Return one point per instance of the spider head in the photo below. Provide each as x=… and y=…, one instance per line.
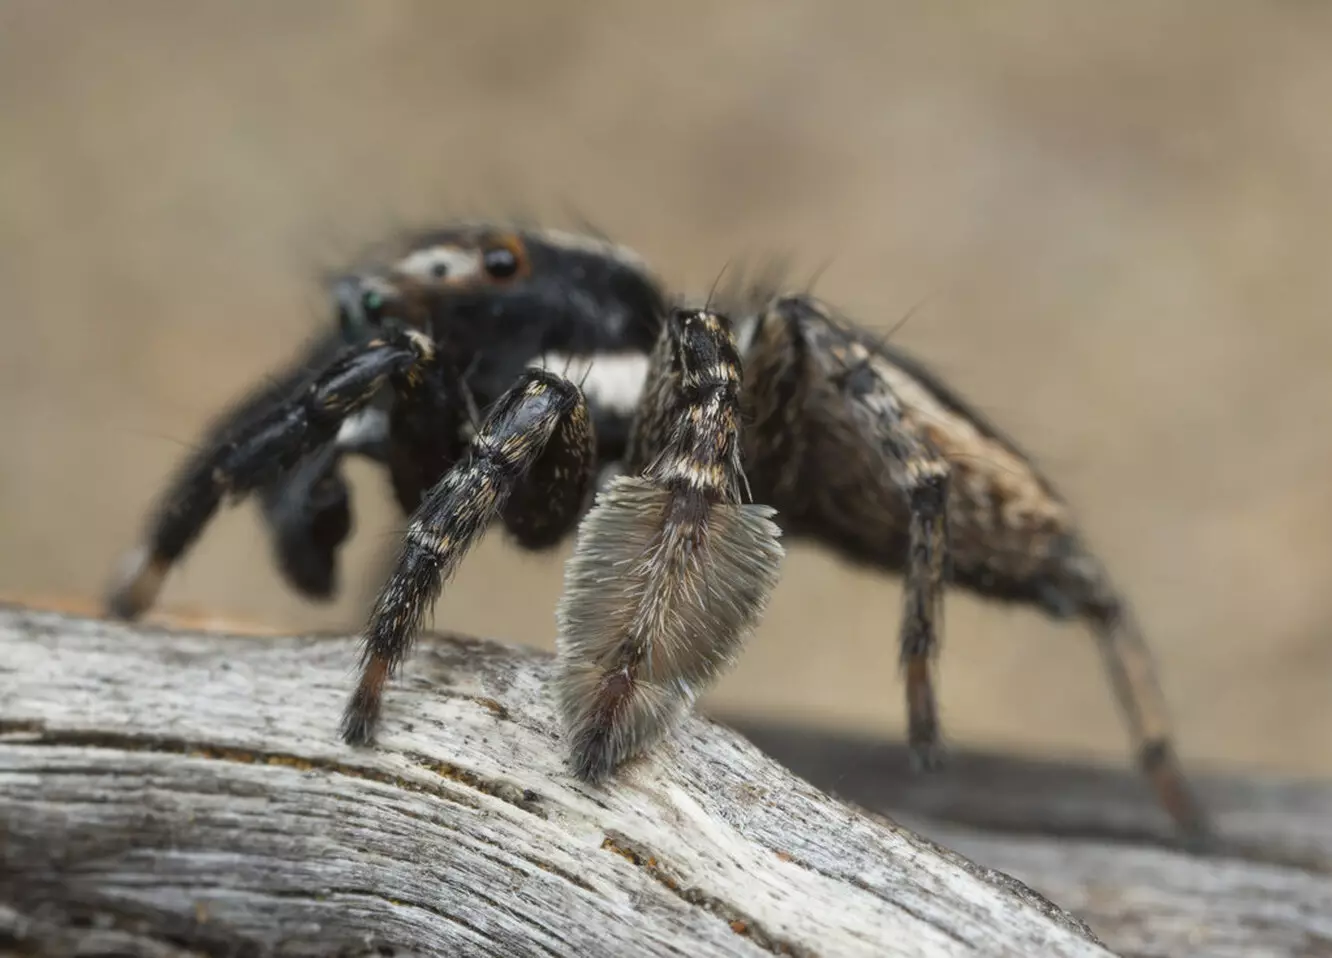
x=497, y=298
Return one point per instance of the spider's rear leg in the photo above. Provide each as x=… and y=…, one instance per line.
x=671, y=571
x=259, y=451
x=531, y=464
x=1084, y=590
x=828, y=445
x=921, y=476
x=1010, y=536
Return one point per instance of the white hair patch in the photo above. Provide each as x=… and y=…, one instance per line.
x=611, y=381
x=365, y=428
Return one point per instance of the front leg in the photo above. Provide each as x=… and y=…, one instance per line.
x=531, y=464
x=273, y=436
x=670, y=571
x=308, y=513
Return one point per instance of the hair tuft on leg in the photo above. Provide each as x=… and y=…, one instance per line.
x=661, y=592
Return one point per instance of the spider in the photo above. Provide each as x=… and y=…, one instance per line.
x=546, y=381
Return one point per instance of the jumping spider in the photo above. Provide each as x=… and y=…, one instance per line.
x=496, y=372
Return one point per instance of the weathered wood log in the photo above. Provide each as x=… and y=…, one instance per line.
x=1095, y=840
x=190, y=788
x=185, y=793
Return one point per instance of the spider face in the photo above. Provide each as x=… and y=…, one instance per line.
x=494, y=300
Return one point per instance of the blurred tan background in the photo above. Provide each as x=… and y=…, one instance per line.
x=1118, y=218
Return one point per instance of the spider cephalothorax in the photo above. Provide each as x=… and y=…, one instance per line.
x=498, y=373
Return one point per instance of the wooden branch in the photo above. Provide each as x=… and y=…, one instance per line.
x=1095, y=840
x=186, y=793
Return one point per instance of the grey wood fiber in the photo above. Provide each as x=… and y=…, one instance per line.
x=174, y=792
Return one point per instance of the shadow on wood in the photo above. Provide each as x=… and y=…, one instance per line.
x=1095, y=840
x=177, y=792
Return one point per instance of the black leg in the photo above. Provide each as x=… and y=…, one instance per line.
x=531, y=464
x=426, y=435
x=309, y=514
x=670, y=571
x=261, y=450
x=308, y=510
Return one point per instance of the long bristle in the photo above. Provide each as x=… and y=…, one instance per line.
x=657, y=604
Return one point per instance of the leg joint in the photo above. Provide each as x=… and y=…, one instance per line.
x=929, y=481
x=1153, y=754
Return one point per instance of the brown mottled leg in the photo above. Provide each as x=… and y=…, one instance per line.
x=926, y=489
x=671, y=570
x=874, y=414
x=839, y=420
x=531, y=464
x=816, y=378
x=1128, y=661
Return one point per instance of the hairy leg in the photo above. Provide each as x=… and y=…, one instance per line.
x=808, y=381
x=417, y=435
x=307, y=509
x=531, y=465
x=308, y=513
x=874, y=413
x=828, y=395
x=1084, y=590
x=671, y=570
x=259, y=450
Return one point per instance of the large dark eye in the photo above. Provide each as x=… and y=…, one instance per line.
x=500, y=262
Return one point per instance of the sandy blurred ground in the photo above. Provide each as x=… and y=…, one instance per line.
x=1117, y=217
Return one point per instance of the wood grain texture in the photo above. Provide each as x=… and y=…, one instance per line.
x=1095, y=840
x=186, y=793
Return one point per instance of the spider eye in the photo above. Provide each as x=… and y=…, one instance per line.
x=372, y=301
x=439, y=269
x=500, y=262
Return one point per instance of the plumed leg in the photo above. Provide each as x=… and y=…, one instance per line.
x=671, y=571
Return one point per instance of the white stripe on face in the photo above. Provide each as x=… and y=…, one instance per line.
x=611, y=381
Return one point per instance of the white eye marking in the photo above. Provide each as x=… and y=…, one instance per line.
x=611, y=381
x=440, y=263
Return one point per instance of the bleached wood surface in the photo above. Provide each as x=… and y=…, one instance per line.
x=186, y=793
x=197, y=781
x=1094, y=840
